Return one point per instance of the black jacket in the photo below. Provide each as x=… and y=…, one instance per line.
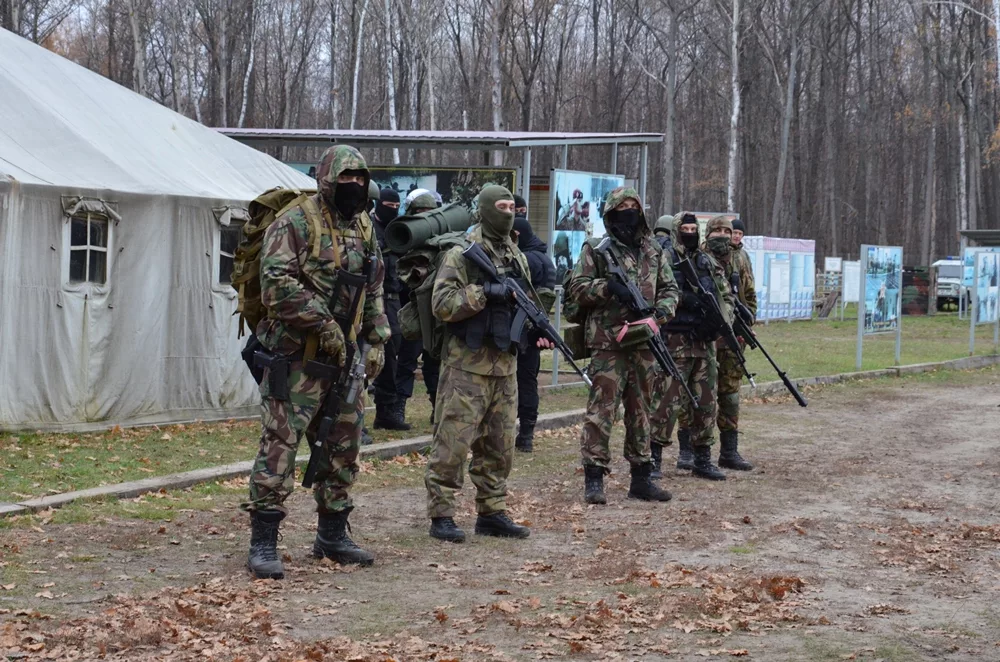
x=543, y=271
x=391, y=284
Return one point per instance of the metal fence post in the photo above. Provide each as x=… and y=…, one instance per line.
x=558, y=323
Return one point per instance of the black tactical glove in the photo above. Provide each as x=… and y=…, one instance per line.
x=496, y=292
x=691, y=301
x=618, y=290
x=745, y=315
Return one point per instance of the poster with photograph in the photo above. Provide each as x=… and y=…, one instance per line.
x=453, y=184
x=883, y=287
x=987, y=290
x=969, y=262
x=852, y=282
x=577, y=200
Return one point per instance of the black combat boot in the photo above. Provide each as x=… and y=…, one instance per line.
x=642, y=486
x=525, y=436
x=729, y=455
x=593, y=491
x=703, y=467
x=444, y=528
x=400, y=410
x=366, y=437
x=500, y=526
x=263, y=560
x=387, y=417
x=332, y=541
x=656, y=451
x=685, y=456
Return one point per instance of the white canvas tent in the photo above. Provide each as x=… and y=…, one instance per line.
x=115, y=213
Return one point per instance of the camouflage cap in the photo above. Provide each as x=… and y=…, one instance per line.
x=336, y=160
x=717, y=222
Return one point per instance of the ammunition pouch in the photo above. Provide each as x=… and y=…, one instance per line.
x=278, y=370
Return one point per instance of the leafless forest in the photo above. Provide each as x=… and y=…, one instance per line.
x=846, y=121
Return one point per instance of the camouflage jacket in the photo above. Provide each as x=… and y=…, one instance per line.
x=458, y=295
x=748, y=292
x=297, y=286
x=646, y=266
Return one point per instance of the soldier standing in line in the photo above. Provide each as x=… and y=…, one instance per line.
x=390, y=405
x=739, y=273
x=621, y=367
x=412, y=350
x=661, y=427
x=543, y=280
x=477, y=396
x=691, y=337
x=302, y=252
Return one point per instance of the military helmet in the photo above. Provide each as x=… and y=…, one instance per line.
x=373, y=190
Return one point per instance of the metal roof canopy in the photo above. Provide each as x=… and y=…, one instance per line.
x=467, y=140
x=982, y=237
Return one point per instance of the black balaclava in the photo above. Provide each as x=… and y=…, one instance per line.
x=351, y=197
x=624, y=224
x=523, y=229
x=387, y=214
x=689, y=240
x=519, y=203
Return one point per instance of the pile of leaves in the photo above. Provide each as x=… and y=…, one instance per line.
x=212, y=621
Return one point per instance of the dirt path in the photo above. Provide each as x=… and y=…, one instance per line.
x=868, y=532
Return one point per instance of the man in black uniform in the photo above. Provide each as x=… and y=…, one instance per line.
x=543, y=280
x=389, y=405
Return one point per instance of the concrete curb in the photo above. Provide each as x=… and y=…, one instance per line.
x=177, y=481
x=392, y=449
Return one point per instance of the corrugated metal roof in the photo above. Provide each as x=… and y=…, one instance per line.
x=983, y=237
x=453, y=139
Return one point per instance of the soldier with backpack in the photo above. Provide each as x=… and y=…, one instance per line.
x=312, y=321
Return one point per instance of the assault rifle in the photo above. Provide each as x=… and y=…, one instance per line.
x=639, y=308
x=348, y=381
x=527, y=311
x=716, y=318
x=742, y=327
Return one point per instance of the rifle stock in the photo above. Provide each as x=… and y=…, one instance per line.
x=753, y=342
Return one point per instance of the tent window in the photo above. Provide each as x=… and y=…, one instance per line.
x=229, y=239
x=88, y=250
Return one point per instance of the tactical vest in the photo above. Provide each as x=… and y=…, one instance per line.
x=687, y=320
x=665, y=243
x=492, y=323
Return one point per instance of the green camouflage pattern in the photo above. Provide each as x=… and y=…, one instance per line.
x=645, y=265
x=618, y=377
x=478, y=413
x=748, y=290
x=284, y=425
x=724, y=293
x=716, y=222
x=458, y=295
x=298, y=286
x=298, y=292
x=730, y=380
x=701, y=374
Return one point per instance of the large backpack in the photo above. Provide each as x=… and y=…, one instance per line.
x=417, y=269
x=246, y=261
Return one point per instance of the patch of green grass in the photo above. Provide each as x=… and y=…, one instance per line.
x=816, y=649
x=743, y=549
x=896, y=652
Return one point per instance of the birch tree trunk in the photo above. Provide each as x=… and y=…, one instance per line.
x=390, y=71
x=495, y=77
x=138, y=49
x=668, y=140
x=734, y=118
x=996, y=34
x=786, y=127
x=248, y=76
x=929, y=202
x=334, y=69
x=357, y=65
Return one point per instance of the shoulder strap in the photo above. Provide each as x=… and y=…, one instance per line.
x=315, y=217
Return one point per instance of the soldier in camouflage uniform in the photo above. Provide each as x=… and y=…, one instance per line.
x=302, y=251
x=692, y=344
x=739, y=273
x=477, y=394
x=660, y=431
x=621, y=368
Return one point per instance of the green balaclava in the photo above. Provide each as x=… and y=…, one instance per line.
x=496, y=224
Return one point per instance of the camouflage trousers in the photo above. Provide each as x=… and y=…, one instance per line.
x=618, y=377
x=702, y=375
x=477, y=413
x=663, y=413
x=284, y=424
x=730, y=380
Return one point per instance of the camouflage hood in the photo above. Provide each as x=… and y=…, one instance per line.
x=336, y=160
x=675, y=231
x=716, y=222
x=619, y=195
